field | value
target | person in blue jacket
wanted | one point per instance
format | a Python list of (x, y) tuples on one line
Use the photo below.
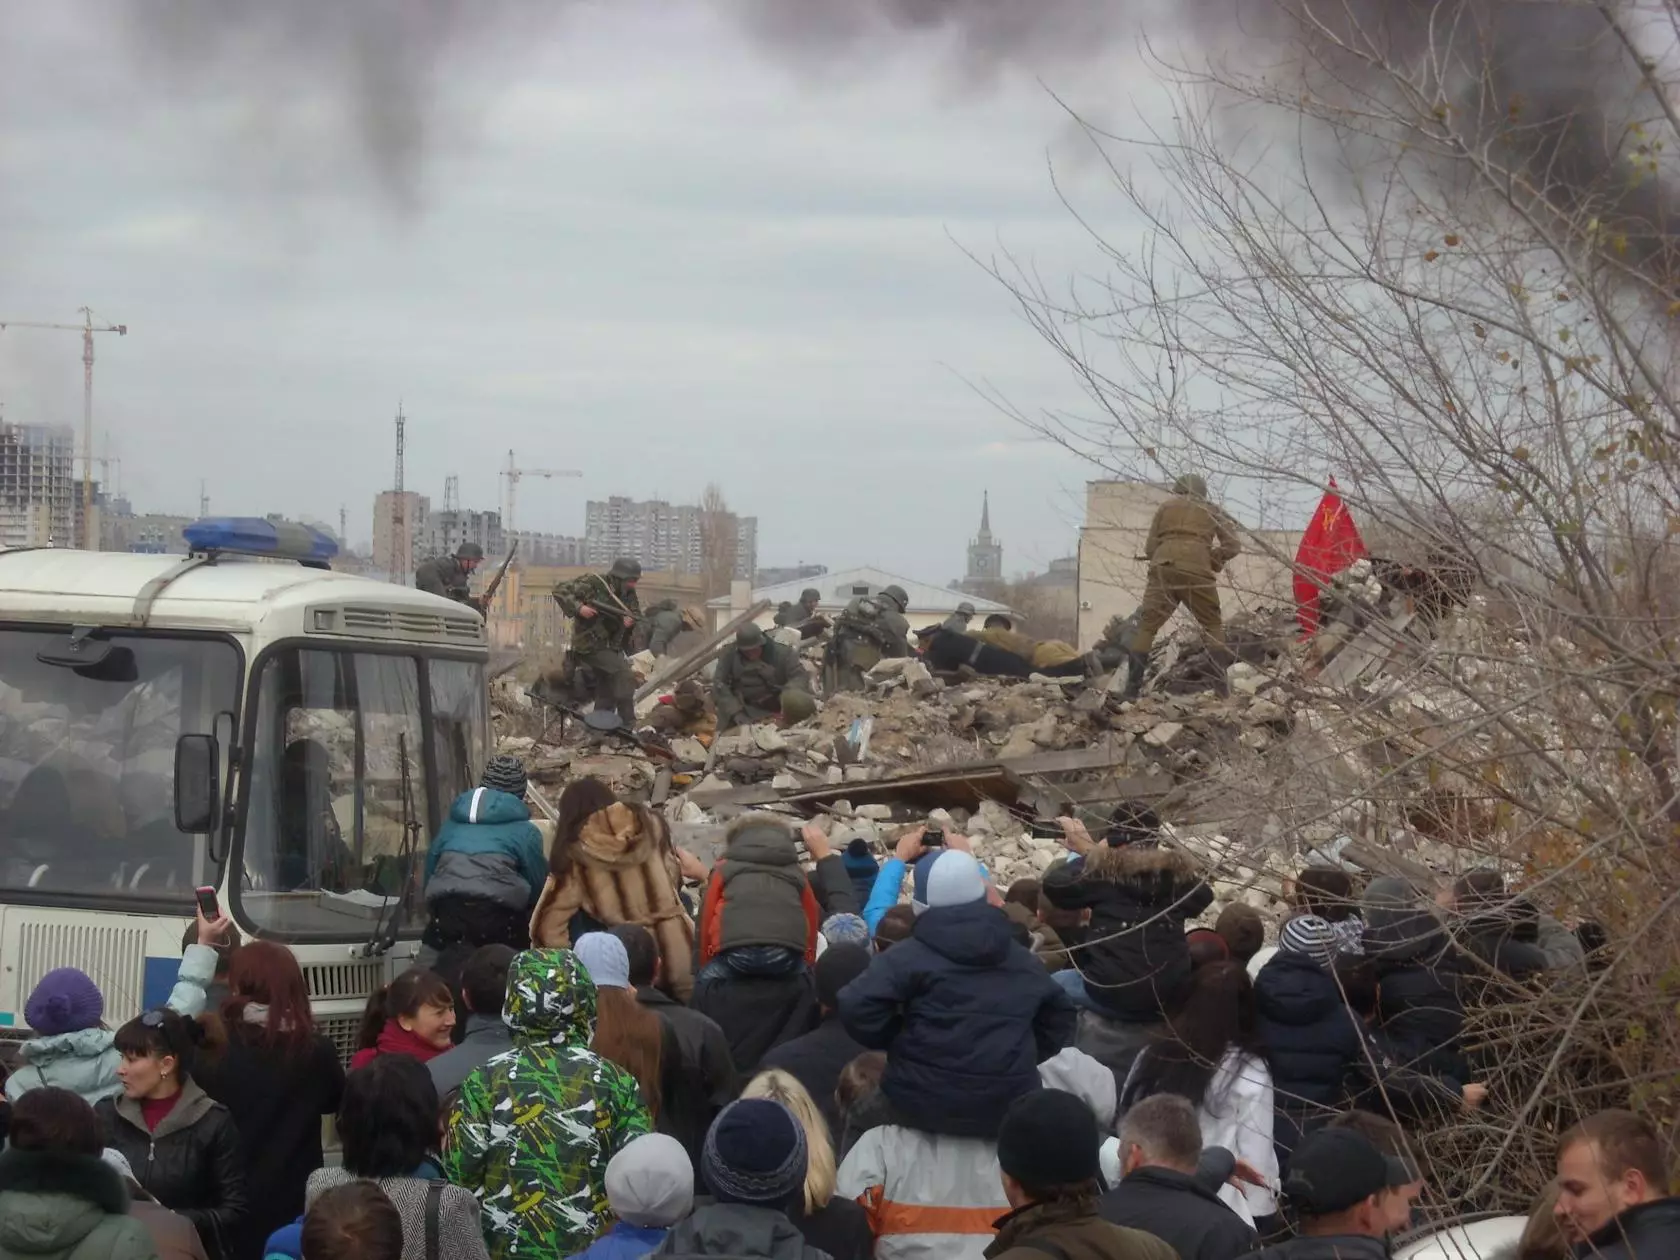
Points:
[(964, 1013), (486, 868), (650, 1187)]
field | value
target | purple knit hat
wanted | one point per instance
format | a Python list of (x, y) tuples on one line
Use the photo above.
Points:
[(64, 1001)]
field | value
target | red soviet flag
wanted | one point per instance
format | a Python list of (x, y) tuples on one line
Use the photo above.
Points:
[(1331, 543)]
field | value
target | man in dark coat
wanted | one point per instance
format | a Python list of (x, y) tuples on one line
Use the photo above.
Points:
[(702, 1080), (1138, 966), (964, 1013), (817, 1059), (604, 613), (1611, 1182), (1159, 1193), (946, 651), (450, 576), (1347, 1195), (1419, 976)]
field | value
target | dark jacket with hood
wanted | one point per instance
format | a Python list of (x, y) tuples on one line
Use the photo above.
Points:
[(192, 1163), (758, 894), (533, 1129), (276, 1101), (965, 1014), (66, 1207), (701, 1081), (1504, 938), (816, 1061), (1312, 1040), (738, 1230), (1180, 1210), (1070, 1230), (1139, 897), (1420, 977), (1640, 1233)]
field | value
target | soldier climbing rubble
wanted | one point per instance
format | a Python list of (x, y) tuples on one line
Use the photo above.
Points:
[(604, 613)]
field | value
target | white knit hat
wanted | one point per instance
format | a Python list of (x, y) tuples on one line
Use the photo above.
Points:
[(954, 880), (604, 957)]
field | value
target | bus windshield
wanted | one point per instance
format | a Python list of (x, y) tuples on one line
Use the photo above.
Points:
[(87, 761), (353, 757)]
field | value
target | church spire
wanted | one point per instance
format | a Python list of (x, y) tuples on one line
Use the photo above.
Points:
[(985, 513)]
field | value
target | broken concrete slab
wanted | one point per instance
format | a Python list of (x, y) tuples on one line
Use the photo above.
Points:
[(1162, 734)]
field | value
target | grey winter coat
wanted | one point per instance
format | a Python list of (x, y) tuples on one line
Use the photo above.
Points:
[(460, 1236), (738, 1230), (66, 1207)]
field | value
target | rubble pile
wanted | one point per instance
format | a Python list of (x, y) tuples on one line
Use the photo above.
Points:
[(1258, 777)]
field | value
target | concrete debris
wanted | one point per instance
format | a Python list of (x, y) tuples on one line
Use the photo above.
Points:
[(1254, 780)]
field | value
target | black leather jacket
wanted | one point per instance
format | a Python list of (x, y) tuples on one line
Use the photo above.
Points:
[(192, 1164)]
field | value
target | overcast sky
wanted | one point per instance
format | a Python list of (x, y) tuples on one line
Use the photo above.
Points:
[(638, 243)]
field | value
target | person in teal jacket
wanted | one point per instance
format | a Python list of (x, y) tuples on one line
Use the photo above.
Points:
[(72, 1048), (486, 868)]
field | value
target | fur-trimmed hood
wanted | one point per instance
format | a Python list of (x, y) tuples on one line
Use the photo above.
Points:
[(763, 839), (51, 1202), (51, 1172), (621, 835), (1139, 864)]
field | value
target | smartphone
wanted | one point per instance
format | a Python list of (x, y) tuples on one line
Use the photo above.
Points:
[(933, 837), (207, 905)]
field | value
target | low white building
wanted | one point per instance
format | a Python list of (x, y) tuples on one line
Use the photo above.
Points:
[(928, 603)]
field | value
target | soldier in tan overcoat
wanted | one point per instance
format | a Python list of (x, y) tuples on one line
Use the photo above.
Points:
[(1190, 541)]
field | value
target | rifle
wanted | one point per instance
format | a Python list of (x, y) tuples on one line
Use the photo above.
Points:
[(496, 580)]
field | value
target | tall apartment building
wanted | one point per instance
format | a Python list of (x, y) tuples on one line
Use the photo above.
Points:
[(660, 535), (416, 511), (547, 550), (40, 495), (445, 531)]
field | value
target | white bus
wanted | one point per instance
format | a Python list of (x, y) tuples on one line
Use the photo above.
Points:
[(242, 718)]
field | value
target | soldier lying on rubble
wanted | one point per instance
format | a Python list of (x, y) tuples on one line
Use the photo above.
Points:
[(945, 651), (687, 711)]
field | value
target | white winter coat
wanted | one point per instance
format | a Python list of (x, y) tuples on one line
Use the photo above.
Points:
[(1236, 1113)]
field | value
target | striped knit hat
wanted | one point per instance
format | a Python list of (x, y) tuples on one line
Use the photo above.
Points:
[(1309, 934), (755, 1153), (504, 774)]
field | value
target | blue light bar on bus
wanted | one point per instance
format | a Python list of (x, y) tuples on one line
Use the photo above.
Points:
[(254, 536)]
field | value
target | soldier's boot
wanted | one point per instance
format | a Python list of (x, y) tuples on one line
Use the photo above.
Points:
[(1223, 658), (1136, 663)]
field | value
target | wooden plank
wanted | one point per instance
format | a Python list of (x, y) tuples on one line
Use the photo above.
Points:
[(1095, 757), (697, 658)]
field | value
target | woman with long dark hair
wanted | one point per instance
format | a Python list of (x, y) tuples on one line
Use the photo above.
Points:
[(1212, 1055), (613, 863), (413, 1015), (277, 1077), (180, 1143), (626, 1032)]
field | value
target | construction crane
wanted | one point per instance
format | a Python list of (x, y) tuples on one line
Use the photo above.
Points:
[(513, 473), (87, 328)]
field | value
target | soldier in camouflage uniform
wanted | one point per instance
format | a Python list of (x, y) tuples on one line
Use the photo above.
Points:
[(533, 1129), (798, 614), (759, 678), (450, 576), (604, 614), (871, 628)]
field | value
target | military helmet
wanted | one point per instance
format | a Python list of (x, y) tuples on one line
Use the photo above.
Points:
[(898, 596), (966, 608), (810, 595), (1191, 484), (625, 569), (749, 636), (469, 551)]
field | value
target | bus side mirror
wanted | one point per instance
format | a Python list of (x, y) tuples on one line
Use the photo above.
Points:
[(197, 784)]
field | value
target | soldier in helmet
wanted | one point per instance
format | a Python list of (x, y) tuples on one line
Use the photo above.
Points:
[(604, 614), (958, 621), (760, 679), (790, 614), (1190, 541), (803, 616), (664, 623), (450, 576), (871, 628)]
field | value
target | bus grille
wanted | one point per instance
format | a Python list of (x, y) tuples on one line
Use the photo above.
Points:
[(114, 957), (341, 1030), (382, 623), (331, 982)]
